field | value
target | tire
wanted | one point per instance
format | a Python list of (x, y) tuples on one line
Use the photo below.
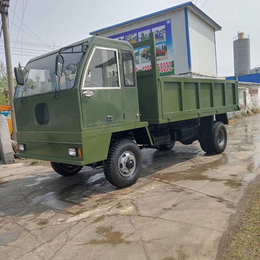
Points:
[(124, 163), (166, 147), (218, 137), (204, 139), (213, 139), (65, 169)]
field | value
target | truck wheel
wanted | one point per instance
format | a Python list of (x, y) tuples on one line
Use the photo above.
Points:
[(213, 139), (218, 137), (204, 140), (166, 147), (124, 163), (65, 169)]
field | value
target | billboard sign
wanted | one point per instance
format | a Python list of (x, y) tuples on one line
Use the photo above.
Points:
[(164, 48)]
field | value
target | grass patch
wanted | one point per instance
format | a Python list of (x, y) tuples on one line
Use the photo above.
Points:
[(256, 111), (34, 161), (243, 241)]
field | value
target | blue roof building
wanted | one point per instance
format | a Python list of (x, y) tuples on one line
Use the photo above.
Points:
[(184, 32)]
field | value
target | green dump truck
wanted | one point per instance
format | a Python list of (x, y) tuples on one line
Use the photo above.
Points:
[(85, 105)]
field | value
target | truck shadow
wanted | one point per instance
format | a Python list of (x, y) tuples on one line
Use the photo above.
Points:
[(38, 193)]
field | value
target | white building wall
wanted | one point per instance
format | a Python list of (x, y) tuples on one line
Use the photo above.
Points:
[(202, 41), (179, 42), (202, 46)]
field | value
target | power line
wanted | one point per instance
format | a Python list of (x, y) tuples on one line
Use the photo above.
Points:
[(24, 32), (31, 43), (31, 30), (20, 24), (27, 52), (204, 4), (22, 37), (18, 54), (37, 50), (13, 17)]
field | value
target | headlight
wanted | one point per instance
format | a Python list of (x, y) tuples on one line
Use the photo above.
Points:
[(22, 147), (75, 152), (72, 151)]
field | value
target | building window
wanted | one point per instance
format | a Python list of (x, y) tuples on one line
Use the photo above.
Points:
[(128, 67), (102, 71)]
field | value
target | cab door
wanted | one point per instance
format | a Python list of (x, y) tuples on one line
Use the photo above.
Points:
[(101, 93)]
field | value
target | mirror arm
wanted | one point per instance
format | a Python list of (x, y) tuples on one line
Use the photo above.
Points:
[(56, 96)]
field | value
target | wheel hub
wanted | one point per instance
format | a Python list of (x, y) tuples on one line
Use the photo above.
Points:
[(127, 164), (221, 138), (130, 164)]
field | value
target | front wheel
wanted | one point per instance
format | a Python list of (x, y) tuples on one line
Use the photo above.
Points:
[(65, 169), (124, 163)]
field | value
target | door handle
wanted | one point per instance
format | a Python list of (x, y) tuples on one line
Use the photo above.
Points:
[(88, 93)]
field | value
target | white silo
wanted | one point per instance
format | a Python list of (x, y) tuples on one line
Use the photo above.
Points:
[(241, 47)]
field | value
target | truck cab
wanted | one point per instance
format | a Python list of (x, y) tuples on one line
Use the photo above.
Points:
[(69, 117)]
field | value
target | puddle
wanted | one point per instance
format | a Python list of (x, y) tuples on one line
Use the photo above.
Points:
[(38, 180), (96, 177), (197, 173), (57, 204), (50, 200), (45, 197)]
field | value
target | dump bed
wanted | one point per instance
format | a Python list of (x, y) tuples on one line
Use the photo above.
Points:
[(170, 99)]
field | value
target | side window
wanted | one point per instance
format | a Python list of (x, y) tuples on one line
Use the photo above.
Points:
[(128, 67), (102, 70)]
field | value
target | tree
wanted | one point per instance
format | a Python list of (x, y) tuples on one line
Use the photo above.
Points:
[(3, 84)]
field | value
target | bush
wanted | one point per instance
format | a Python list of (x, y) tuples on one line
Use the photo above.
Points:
[(3, 100)]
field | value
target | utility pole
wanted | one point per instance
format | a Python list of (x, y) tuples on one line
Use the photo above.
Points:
[(4, 11)]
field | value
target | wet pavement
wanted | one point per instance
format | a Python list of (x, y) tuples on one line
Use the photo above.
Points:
[(178, 209)]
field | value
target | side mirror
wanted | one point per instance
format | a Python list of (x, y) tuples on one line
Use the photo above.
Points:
[(18, 72), (59, 65)]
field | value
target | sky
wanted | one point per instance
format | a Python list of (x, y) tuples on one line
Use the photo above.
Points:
[(39, 26)]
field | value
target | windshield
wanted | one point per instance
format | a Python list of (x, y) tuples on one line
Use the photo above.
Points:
[(40, 78)]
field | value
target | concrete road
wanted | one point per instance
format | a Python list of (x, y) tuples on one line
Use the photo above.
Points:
[(178, 209)]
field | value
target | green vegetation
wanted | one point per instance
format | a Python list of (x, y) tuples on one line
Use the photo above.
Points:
[(34, 161), (3, 100), (243, 241), (3, 84)]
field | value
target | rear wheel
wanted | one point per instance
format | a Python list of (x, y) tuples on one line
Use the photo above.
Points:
[(65, 169), (124, 163), (214, 138), (219, 137), (204, 140)]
